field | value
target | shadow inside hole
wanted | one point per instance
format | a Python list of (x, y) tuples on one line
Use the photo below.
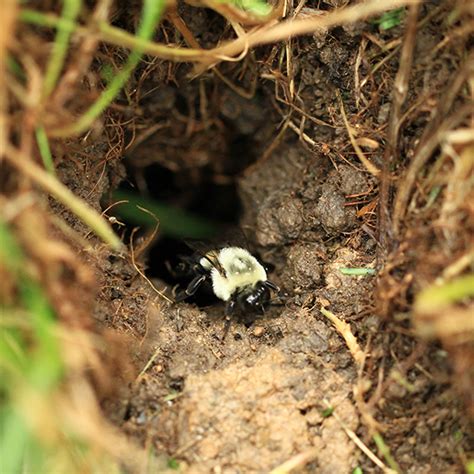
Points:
[(204, 198)]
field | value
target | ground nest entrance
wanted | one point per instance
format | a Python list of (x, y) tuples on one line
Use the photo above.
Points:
[(204, 137), (198, 193), (200, 196)]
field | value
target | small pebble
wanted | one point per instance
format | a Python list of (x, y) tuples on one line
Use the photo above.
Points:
[(258, 331)]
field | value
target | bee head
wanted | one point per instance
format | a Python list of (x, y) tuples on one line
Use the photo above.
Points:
[(254, 298)]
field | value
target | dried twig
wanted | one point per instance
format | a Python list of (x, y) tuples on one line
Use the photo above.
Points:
[(291, 28), (236, 49), (140, 272), (399, 94), (431, 138), (359, 443), (370, 167), (64, 195), (428, 144), (345, 331)]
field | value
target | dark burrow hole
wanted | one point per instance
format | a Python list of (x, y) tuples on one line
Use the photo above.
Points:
[(199, 194)]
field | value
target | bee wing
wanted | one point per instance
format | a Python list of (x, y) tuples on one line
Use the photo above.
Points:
[(204, 250), (213, 258)]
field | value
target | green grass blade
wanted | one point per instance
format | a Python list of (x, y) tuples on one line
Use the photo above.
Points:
[(173, 222), (47, 368), (436, 297), (10, 251), (29, 369), (385, 452), (151, 14), (60, 47), (15, 68), (115, 36), (257, 7), (357, 271), (45, 150), (47, 20), (64, 195), (13, 358), (14, 438)]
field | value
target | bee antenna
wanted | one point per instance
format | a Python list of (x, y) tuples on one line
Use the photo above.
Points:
[(271, 285), (228, 322)]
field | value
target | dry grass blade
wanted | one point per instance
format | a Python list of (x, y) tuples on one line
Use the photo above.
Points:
[(345, 331), (358, 442), (99, 432), (371, 168), (271, 32), (297, 462), (400, 89), (298, 27), (433, 135), (49, 183), (359, 356), (137, 268), (9, 14)]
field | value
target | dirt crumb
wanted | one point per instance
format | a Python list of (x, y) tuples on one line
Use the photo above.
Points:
[(331, 211), (352, 181), (304, 265), (280, 220)]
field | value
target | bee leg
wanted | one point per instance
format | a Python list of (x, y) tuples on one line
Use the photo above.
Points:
[(271, 285), (191, 289), (229, 309)]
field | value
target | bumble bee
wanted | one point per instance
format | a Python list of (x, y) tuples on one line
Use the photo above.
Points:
[(236, 277)]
